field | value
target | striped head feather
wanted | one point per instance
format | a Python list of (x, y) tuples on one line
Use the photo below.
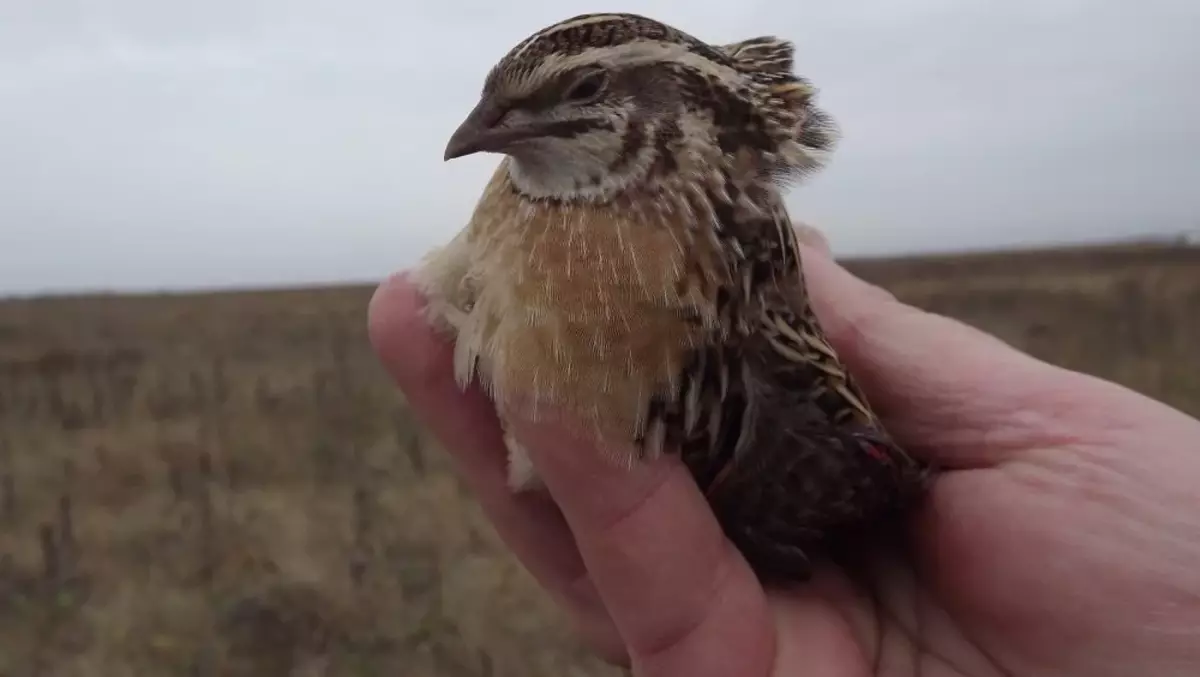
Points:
[(599, 104)]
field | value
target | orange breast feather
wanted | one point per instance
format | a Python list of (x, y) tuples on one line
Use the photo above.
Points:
[(586, 309)]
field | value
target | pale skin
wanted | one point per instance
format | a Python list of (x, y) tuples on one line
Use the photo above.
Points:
[(1062, 540)]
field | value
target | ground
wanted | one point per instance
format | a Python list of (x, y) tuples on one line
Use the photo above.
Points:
[(226, 484)]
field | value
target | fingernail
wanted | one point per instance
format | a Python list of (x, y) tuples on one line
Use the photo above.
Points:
[(810, 236)]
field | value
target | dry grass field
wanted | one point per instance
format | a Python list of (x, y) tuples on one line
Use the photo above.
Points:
[(226, 484)]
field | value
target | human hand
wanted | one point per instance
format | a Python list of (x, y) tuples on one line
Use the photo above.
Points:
[(1062, 537)]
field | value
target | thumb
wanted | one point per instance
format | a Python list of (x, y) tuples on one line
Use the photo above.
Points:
[(947, 391), (811, 236)]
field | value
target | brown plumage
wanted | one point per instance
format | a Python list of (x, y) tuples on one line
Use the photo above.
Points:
[(631, 266)]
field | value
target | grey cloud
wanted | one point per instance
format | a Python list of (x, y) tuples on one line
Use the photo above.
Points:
[(148, 144)]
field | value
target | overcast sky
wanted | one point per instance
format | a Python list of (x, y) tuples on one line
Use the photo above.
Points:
[(152, 144)]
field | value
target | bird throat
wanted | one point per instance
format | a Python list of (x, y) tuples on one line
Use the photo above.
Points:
[(596, 167)]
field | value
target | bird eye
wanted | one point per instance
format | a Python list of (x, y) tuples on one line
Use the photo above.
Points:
[(587, 88)]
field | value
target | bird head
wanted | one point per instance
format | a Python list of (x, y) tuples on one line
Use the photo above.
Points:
[(597, 104)]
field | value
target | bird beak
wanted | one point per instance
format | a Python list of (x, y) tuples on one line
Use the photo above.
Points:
[(480, 133), (477, 133)]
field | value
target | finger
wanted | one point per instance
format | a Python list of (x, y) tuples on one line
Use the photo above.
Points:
[(466, 424), (812, 237), (683, 599), (944, 389)]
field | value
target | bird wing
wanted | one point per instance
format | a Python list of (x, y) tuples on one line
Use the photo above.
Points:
[(769, 421)]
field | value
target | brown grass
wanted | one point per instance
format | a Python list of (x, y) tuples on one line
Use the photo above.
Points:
[(225, 484)]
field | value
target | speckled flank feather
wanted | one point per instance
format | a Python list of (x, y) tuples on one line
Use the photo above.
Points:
[(634, 269)]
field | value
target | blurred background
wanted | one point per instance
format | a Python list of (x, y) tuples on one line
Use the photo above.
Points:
[(202, 469)]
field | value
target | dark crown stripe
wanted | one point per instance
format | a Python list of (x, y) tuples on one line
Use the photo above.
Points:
[(575, 35)]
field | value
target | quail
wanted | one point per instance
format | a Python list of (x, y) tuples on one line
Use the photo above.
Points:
[(631, 267)]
